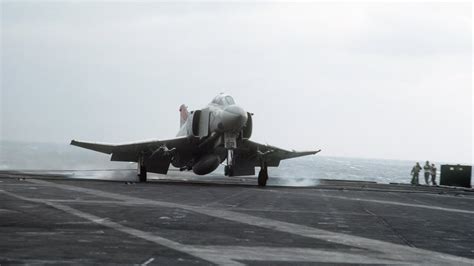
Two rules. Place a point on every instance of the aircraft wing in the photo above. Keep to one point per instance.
(270, 154)
(100, 147)
(130, 152)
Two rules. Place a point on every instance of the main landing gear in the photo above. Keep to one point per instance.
(229, 169)
(141, 170)
(142, 174)
(263, 176)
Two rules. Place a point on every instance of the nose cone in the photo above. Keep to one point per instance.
(234, 118)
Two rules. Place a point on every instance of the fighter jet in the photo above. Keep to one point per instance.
(207, 137)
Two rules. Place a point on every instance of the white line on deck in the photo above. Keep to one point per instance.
(403, 204)
(148, 261)
(385, 202)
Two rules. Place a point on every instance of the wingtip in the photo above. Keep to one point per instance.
(73, 142)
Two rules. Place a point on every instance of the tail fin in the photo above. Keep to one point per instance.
(183, 110)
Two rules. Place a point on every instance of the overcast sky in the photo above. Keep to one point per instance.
(359, 80)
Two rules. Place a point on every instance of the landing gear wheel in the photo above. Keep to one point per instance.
(262, 177)
(142, 174)
(228, 171)
(229, 168)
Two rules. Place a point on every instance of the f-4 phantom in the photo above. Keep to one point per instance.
(207, 137)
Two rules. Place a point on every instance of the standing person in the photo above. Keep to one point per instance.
(433, 174)
(427, 170)
(415, 171)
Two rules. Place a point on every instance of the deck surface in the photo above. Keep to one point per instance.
(47, 219)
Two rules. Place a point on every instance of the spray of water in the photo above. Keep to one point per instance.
(111, 175)
(293, 182)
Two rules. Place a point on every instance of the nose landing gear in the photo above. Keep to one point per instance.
(228, 170)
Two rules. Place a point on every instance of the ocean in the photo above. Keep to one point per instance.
(298, 171)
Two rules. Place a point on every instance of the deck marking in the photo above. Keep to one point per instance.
(387, 202)
(404, 204)
(224, 198)
(389, 250)
(148, 261)
(128, 203)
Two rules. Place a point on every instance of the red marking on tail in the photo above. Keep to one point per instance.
(183, 110)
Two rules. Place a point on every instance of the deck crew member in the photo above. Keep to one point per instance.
(415, 171)
(433, 174)
(427, 170)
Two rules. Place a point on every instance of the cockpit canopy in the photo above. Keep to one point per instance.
(223, 99)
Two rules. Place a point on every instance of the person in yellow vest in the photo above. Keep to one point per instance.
(415, 171)
(433, 174)
(427, 171)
